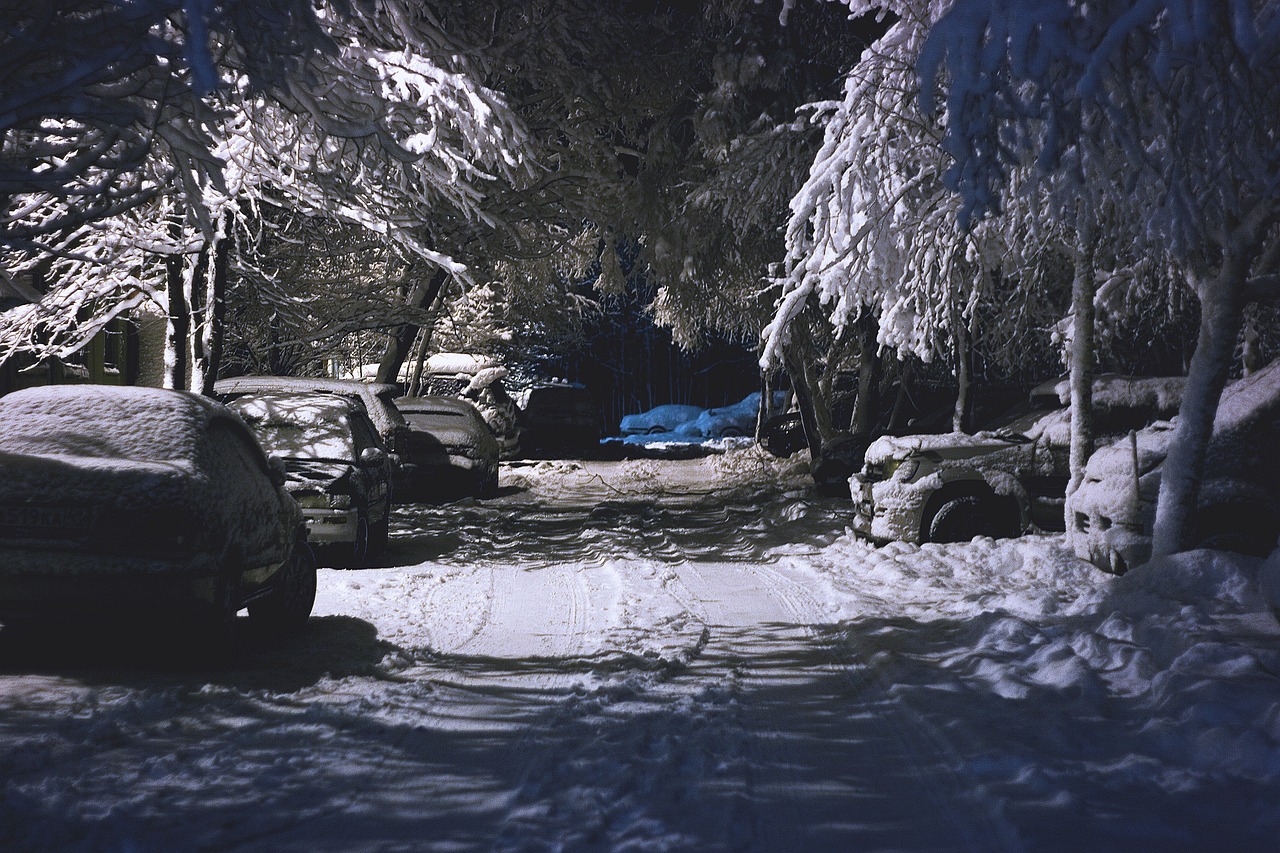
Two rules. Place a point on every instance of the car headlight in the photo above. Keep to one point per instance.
(907, 467)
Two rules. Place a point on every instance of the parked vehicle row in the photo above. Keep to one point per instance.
(185, 510)
(1001, 481)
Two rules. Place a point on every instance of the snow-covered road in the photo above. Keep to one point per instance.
(689, 655)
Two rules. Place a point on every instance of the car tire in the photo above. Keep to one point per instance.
(288, 606)
(379, 535)
(962, 518)
(213, 631)
(360, 545)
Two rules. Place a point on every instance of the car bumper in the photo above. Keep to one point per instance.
(1114, 550)
(452, 475)
(46, 583)
(884, 511)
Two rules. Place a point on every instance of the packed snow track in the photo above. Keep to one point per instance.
(670, 656)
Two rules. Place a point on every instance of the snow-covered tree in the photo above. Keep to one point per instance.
(360, 111)
(1163, 110)
(875, 239)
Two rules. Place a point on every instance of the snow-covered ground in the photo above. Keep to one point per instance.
(677, 655)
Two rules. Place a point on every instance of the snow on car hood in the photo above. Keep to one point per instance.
(900, 447)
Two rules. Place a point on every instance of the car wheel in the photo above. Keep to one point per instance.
(360, 545)
(288, 606)
(379, 535)
(962, 518)
(212, 633)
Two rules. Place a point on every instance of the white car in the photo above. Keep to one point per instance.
(152, 503)
(1113, 511)
(999, 482)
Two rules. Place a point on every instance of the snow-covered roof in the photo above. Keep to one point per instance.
(105, 421)
(458, 362)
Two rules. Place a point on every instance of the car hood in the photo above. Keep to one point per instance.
(1116, 459)
(953, 445)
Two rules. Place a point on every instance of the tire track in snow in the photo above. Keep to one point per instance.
(786, 644)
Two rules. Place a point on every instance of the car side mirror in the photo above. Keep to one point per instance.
(372, 457)
(276, 470)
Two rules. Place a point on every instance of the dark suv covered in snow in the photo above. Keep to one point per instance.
(1001, 481)
(147, 502)
(1113, 511)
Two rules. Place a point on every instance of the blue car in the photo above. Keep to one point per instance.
(660, 419)
(734, 421)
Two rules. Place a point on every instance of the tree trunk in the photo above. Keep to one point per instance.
(178, 326)
(1221, 315)
(1083, 288)
(422, 296)
(215, 314)
(866, 404)
(961, 417)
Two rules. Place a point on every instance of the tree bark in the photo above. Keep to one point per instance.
(1083, 290)
(422, 296)
(215, 315)
(866, 404)
(178, 326)
(1221, 315)
(961, 417)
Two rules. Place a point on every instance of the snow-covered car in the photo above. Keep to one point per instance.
(339, 470)
(1113, 511)
(737, 420)
(450, 449)
(660, 419)
(378, 399)
(141, 500)
(999, 482)
(478, 380)
(560, 416)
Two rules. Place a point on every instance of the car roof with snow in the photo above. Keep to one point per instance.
(432, 403)
(107, 421)
(320, 384)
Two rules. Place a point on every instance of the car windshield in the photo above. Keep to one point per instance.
(318, 440)
(1023, 421)
(300, 426)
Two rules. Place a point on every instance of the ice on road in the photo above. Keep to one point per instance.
(661, 655)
